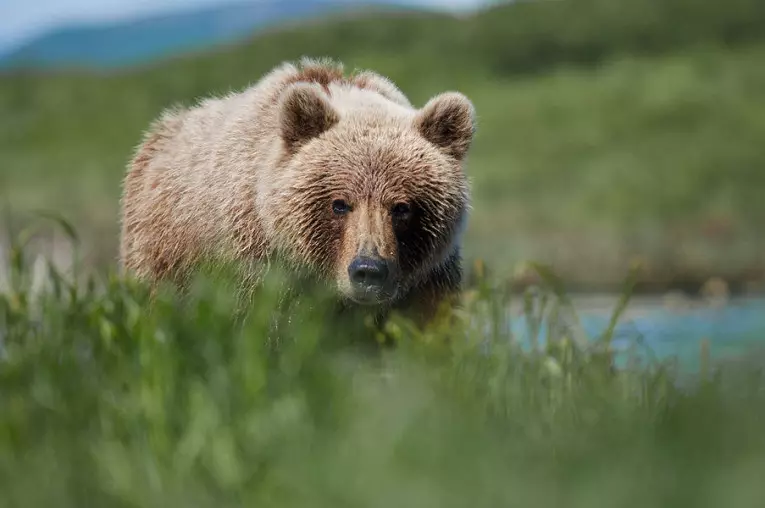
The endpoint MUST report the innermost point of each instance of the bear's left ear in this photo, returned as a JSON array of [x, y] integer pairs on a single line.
[[448, 121], [304, 113]]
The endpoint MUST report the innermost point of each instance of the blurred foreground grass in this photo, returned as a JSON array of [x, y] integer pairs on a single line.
[[608, 129], [108, 401]]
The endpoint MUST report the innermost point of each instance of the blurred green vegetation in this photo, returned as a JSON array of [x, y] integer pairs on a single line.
[[106, 400], [608, 129]]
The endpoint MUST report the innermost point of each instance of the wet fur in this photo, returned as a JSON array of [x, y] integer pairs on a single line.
[[251, 176]]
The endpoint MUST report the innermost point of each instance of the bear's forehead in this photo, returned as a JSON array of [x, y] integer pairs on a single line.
[[380, 144], [377, 178], [382, 174], [376, 157], [380, 157]]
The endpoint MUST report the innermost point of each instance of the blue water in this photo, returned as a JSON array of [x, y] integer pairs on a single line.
[[656, 333]]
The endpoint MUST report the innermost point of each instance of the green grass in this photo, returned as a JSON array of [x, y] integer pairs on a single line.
[[108, 400]]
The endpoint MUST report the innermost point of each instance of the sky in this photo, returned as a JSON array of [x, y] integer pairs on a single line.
[[21, 20]]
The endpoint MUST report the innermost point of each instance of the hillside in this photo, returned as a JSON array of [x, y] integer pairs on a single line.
[[146, 39], [650, 146]]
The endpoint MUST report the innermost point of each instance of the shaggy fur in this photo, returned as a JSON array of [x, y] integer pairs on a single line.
[[253, 176]]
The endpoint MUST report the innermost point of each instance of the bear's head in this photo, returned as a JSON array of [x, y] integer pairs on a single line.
[[373, 194]]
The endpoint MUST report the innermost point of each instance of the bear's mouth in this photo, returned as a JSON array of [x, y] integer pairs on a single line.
[[370, 295]]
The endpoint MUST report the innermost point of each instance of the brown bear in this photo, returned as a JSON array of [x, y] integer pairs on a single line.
[[337, 174]]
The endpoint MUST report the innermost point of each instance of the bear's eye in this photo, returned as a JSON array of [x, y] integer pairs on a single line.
[[340, 207], [401, 210]]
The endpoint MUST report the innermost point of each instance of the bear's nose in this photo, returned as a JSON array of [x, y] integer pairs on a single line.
[[368, 271]]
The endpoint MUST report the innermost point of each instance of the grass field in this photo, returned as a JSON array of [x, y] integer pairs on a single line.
[[107, 401]]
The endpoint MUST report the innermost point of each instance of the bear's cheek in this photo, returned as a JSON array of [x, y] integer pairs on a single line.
[[422, 240], [322, 237], [415, 244], [306, 230]]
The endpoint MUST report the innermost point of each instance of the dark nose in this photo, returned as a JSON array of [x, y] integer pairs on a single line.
[[368, 271]]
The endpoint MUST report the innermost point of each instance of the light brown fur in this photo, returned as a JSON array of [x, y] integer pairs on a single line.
[[254, 175]]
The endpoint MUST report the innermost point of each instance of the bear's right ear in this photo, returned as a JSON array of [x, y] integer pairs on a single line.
[[304, 113]]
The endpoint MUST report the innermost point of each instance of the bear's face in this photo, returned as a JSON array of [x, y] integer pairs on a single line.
[[376, 197]]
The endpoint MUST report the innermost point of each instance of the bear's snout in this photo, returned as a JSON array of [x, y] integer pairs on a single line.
[[368, 272], [371, 279]]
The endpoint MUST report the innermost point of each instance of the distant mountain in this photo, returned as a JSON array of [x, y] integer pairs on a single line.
[[137, 41]]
